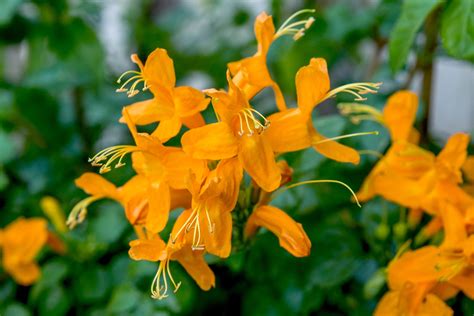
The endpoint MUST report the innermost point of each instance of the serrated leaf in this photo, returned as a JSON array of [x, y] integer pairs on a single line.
[[457, 29], [414, 13]]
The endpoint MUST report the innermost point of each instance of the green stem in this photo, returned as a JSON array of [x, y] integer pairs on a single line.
[[426, 64]]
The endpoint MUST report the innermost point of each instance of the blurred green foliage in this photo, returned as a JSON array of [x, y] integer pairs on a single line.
[[60, 60]]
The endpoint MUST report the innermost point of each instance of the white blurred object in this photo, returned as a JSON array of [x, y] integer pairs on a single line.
[[114, 34], [452, 97]]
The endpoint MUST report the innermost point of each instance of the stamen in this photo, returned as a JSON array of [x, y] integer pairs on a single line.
[[210, 224], [357, 89], [360, 112], [249, 115], [158, 291], [136, 79], [110, 155], [79, 211], [173, 240], [319, 181], [168, 270], [346, 136], [288, 28]]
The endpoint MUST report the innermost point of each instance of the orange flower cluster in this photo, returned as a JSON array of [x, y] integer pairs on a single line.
[[206, 175], [421, 280]]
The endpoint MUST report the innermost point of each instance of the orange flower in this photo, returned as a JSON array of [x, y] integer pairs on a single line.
[[240, 133], [20, 242], [468, 170], [290, 233], [192, 260], [294, 129], [443, 270], [251, 74], [213, 198], [171, 106], [408, 302], [161, 169]]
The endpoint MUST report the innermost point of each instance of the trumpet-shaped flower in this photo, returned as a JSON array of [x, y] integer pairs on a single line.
[[20, 243], [179, 249], [213, 198], [240, 133], [294, 129], [251, 74], [160, 168], [171, 106]]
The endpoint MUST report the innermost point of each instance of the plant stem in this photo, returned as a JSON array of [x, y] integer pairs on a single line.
[[426, 66]]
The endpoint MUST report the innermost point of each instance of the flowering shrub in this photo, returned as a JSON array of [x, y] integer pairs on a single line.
[[223, 164]]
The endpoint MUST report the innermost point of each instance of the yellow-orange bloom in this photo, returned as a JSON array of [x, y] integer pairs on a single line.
[[240, 133], [179, 249], [213, 198], [161, 171], [293, 128], [171, 106], [291, 234], [20, 243]]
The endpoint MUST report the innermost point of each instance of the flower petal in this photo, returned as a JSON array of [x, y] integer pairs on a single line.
[[25, 273], [195, 265], [257, 158], [287, 131], [399, 114], [217, 231], [158, 207], [189, 101], [312, 84], [168, 129], [213, 141], [147, 249], [95, 184], [290, 233], [159, 69], [149, 111], [332, 149], [193, 121], [454, 154]]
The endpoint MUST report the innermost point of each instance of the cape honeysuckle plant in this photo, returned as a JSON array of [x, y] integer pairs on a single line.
[[421, 280], [226, 172]]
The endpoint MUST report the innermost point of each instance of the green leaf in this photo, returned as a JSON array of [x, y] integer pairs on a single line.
[[52, 273], [7, 10], [7, 148], [92, 285], [457, 29], [336, 257], [54, 302], [16, 309], [124, 298], [414, 13]]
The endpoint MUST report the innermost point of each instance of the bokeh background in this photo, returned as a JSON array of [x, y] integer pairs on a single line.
[[59, 61]]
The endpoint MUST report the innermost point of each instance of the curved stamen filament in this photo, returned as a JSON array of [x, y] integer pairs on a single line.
[[294, 185], [136, 79], [159, 291], [345, 136], [357, 89], [110, 155], [252, 118], [193, 222], [288, 28], [360, 112], [79, 211]]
